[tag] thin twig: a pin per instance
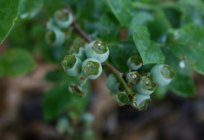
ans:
(120, 78)
(81, 32)
(117, 73)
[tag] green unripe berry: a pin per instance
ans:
(63, 18)
(81, 53)
(55, 37)
(162, 74)
(63, 126)
(146, 85)
(91, 68)
(135, 62)
(132, 78)
(71, 65)
(142, 101)
(87, 119)
(77, 48)
(122, 98)
(50, 25)
(97, 50)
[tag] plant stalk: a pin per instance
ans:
(117, 73)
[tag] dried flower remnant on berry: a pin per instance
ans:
(69, 61)
(135, 62)
(132, 78)
(62, 15)
(167, 72)
(148, 84)
(100, 47)
(91, 68)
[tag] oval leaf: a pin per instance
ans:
(8, 14)
(16, 62)
(149, 50)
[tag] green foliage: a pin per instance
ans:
(193, 11)
(149, 50)
(8, 14)
(59, 99)
(160, 93)
(188, 44)
(16, 62)
(159, 25)
(182, 83)
(122, 10)
(29, 8)
(140, 18)
(120, 53)
(182, 88)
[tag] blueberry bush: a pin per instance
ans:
(143, 48)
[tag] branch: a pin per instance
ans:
(117, 73)
(81, 32)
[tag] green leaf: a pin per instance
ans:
(106, 28)
(8, 15)
(188, 44)
(159, 26)
(122, 9)
(160, 92)
(30, 8)
(182, 83)
(140, 18)
(192, 11)
(120, 53)
(55, 101)
(16, 62)
(122, 98)
(55, 75)
(174, 15)
(58, 100)
(149, 50)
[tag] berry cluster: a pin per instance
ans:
(61, 20)
(69, 126)
(87, 62)
(143, 85)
